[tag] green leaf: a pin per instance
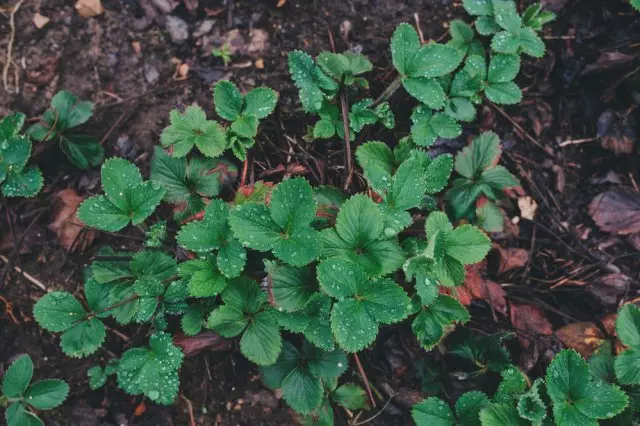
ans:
(245, 126)
(17, 415)
(293, 205)
(483, 153)
(461, 109)
(291, 287)
(503, 68)
(483, 351)
(433, 411)
(503, 93)
(82, 150)
(430, 324)
(489, 217)
(361, 115)
(351, 396)
(576, 394)
(437, 222)
(467, 244)
(405, 43)
(228, 321)
(58, 311)
(26, 183)
(505, 42)
(10, 125)
(486, 25)
(461, 31)
(438, 172)
(427, 126)
(70, 110)
(260, 102)
(261, 342)
(627, 367)
(468, 407)
(125, 312)
(227, 99)
(83, 339)
(435, 60)
(171, 173)
(303, 392)
(506, 15)
(478, 7)
(531, 43)
(530, 405)
(499, 178)
(513, 384)
(426, 90)
(98, 376)
(359, 221)
(501, 415)
(310, 81)
(378, 162)
(192, 128)
(352, 325)
(14, 154)
(252, 225)
(46, 394)
(17, 377)
(409, 186)
(628, 325)
(152, 371)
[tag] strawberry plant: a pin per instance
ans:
(573, 391)
(67, 112)
(24, 398)
(339, 264)
(482, 182)
(16, 179)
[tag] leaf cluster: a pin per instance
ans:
(26, 397)
(16, 178)
(66, 112)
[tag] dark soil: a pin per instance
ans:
(566, 94)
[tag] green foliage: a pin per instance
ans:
(98, 375)
(434, 411)
(482, 182)
(192, 128)
(66, 112)
(635, 4)
(627, 364)
(25, 397)
(127, 199)
(16, 179)
(486, 353)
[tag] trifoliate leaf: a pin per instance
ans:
(310, 80)
(483, 351)
(576, 395)
(190, 129)
(98, 376)
(343, 67)
(18, 415)
(433, 411)
(433, 320)
(17, 377)
(46, 394)
(313, 321)
(405, 43)
(227, 100)
(428, 126)
(483, 153)
(152, 371)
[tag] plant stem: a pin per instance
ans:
(366, 381)
(389, 91)
(117, 305)
(347, 143)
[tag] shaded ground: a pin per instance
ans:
(126, 61)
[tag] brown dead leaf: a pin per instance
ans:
(89, 8)
(40, 21)
(66, 224)
(531, 320)
(528, 207)
(512, 258)
(616, 132)
(259, 64)
(610, 288)
(281, 3)
(617, 211)
(584, 337)
(476, 287)
(207, 340)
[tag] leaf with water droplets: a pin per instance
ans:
(291, 287)
(312, 83)
(46, 394)
(27, 183)
(17, 377)
(261, 341)
(58, 311)
(192, 128)
(433, 320)
(433, 411)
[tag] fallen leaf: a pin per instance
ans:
(136, 47)
(66, 224)
(607, 61)
(259, 64)
(610, 288)
(512, 258)
(140, 409)
(617, 211)
(529, 320)
(40, 21)
(616, 132)
(584, 337)
(281, 3)
(207, 340)
(528, 207)
(89, 8)
(476, 287)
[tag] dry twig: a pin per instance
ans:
(9, 60)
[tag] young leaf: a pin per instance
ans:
(468, 407)
(310, 80)
(152, 371)
(313, 321)
(17, 377)
(478, 7)
(284, 226)
(351, 396)
(405, 43)
(433, 320)
(467, 244)
(428, 126)
(530, 405)
(47, 394)
(190, 129)
(378, 162)
(260, 102)
(227, 99)
(483, 152)
(26, 183)
(66, 111)
(127, 198)
(11, 125)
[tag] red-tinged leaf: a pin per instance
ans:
(531, 320)
(584, 337)
(512, 258)
(617, 211)
(480, 288)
